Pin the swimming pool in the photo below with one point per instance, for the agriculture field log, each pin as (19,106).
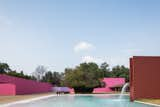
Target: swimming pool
(83,101)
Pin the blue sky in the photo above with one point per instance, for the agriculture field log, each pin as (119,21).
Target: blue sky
(64,33)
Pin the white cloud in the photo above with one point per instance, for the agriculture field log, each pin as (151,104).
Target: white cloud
(92,59)
(83,46)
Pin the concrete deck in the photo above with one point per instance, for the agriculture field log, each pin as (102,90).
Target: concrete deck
(10,99)
(152,101)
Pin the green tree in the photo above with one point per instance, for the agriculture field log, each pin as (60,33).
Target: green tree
(105,70)
(52,77)
(20,75)
(48,77)
(84,77)
(4,68)
(57,77)
(121,71)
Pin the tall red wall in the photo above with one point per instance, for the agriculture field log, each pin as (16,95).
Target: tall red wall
(24,86)
(144,77)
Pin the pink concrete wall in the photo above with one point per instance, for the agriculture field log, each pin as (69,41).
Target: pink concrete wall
(102,90)
(7,89)
(24,86)
(110,82)
(72,91)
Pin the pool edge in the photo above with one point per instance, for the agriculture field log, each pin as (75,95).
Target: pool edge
(151,104)
(48,96)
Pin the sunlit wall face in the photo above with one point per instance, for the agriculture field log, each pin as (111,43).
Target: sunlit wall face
(145,71)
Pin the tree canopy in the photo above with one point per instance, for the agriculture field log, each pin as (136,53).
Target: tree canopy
(84,77)
(4,67)
(121,71)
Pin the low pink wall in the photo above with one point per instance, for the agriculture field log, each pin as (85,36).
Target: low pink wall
(7,89)
(109,82)
(24,86)
(101,90)
(72,91)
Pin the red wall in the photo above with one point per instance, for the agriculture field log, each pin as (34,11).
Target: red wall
(144,77)
(24,86)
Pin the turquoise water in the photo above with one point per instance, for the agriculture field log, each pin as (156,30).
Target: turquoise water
(83,101)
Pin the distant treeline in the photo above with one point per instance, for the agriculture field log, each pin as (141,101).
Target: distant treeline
(5,69)
(83,77)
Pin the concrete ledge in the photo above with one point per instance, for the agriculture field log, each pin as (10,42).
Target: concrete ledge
(147,103)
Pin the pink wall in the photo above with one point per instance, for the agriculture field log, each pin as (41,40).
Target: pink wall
(110,82)
(72,91)
(24,86)
(102,90)
(7,89)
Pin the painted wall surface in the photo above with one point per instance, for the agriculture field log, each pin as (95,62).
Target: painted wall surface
(24,86)
(7,89)
(144,77)
(109,83)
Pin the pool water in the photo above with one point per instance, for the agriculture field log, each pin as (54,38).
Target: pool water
(83,101)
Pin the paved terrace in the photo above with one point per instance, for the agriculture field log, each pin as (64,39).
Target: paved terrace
(9,99)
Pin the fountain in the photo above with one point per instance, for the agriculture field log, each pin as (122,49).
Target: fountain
(123,90)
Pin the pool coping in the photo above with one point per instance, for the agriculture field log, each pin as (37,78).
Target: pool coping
(151,104)
(48,96)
